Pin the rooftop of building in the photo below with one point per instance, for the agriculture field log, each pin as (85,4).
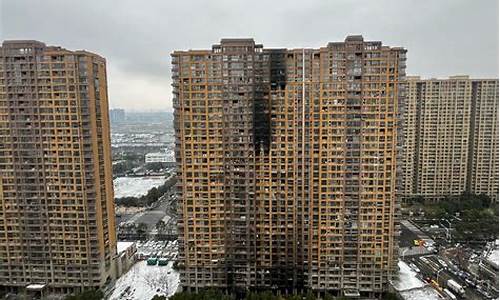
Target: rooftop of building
(249,42)
(23,44)
(123,246)
(451,77)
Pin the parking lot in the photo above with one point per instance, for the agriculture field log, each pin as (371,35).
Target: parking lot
(157,249)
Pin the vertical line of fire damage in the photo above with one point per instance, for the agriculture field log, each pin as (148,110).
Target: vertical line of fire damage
(262,103)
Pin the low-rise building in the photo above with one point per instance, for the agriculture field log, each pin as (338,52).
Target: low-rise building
(162,157)
(125,257)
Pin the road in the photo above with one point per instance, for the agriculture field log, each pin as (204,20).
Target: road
(430,265)
(409,233)
(415,230)
(430,270)
(151,216)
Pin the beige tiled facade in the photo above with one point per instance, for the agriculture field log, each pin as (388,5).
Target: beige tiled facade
(56,195)
(483,151)
(287,165)
(450,137)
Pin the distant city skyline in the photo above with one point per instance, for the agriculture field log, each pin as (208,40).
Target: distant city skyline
(443,38)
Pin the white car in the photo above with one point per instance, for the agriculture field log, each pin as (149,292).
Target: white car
(414,267)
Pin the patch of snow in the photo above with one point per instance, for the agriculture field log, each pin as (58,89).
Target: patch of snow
(427,293)
(407,279)
(142,282)
(35,287)
(135,186)
(122,246)
(493,255)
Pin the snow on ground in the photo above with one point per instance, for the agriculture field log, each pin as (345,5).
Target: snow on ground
(135,186)
(427,293)
(142,282)
(407,278)
(493,256)
(410,287)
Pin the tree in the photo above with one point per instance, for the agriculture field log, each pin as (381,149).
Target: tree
(158,297)
(141,229)
(155,166)
(389,296)
(87,295)
(328,296)
(160,225)
(209,294)
(478,220)
(310,295)
(160,284)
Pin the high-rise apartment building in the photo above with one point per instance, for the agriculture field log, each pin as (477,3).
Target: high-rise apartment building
(287,165)
(450,137)
(482,172)
(57,223)
(117,115)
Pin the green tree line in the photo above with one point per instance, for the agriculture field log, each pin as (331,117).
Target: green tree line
(473,217)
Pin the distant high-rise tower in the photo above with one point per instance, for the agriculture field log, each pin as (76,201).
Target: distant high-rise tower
(117,115)
(57,222)
(450,137)
(287,165)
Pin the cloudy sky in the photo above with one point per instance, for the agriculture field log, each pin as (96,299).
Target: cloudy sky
(443,37)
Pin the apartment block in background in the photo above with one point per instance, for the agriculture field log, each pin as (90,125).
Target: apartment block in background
(57,222)
(117,115)
(287,166)
(482,173)
(450,137)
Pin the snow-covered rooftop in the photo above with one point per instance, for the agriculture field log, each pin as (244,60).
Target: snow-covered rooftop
(143,282)
(407,279)
(135,186)
(122,246)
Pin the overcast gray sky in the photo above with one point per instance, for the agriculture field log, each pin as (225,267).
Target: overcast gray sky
(443,37)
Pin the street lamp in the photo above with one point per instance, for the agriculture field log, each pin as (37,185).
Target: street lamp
(403,253)
(448,230)
(449,223)
(437,274)
(447,234)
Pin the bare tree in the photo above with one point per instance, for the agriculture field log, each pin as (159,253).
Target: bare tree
(157,283)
